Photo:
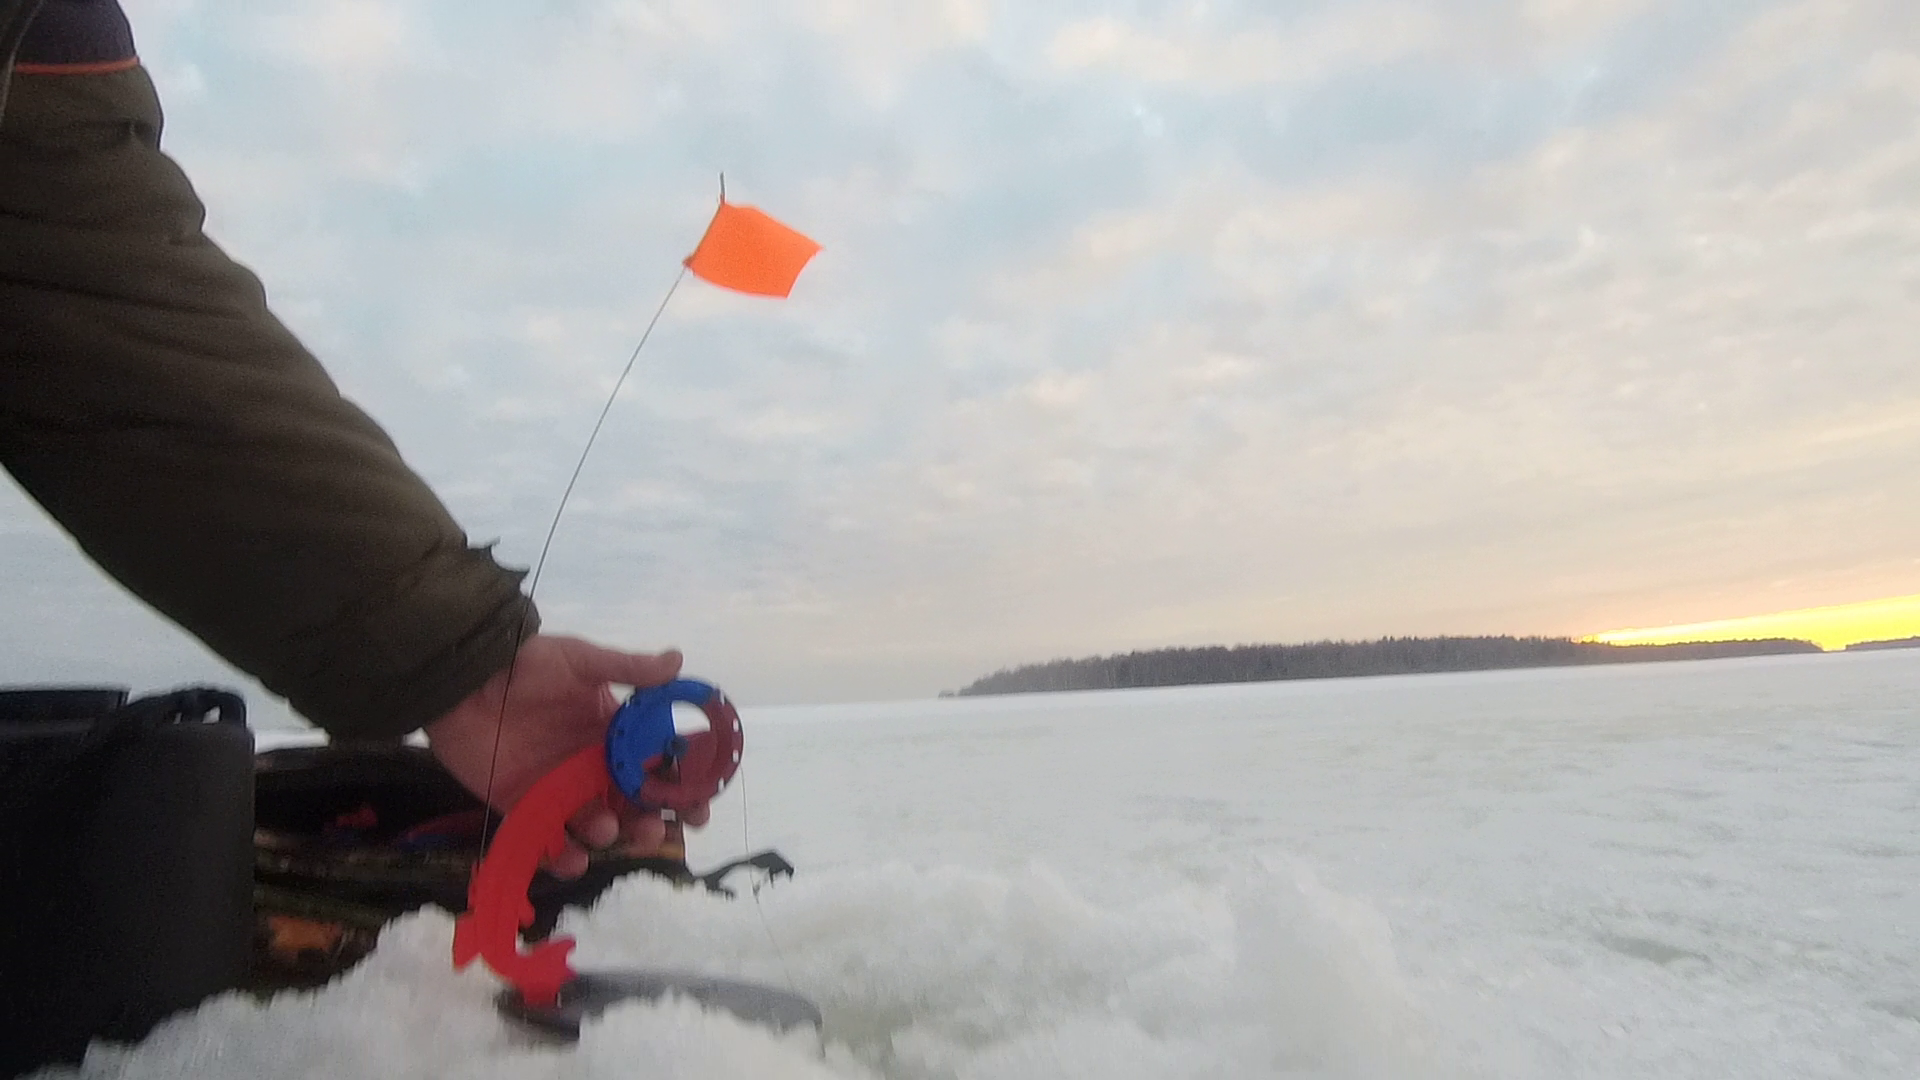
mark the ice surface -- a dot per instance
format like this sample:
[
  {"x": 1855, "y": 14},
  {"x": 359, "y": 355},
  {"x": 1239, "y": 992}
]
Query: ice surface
[{"x": 1671, "y": 870}]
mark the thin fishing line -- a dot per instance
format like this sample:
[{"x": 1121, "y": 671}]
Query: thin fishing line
[
  {"x": 533, "y": 583},
  {"x": 16, "y": 17},
  {"x": 746, "y": 848}
]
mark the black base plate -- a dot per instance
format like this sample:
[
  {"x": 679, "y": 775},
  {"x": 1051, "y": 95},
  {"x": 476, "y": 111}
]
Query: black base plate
[{"x": 592, "y": 993}]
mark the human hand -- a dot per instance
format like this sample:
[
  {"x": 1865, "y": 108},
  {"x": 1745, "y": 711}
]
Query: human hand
[{"x": 561, "y": 700}]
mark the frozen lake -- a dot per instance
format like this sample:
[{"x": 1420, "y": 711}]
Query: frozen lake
[{"x": 1672, "y": 870}]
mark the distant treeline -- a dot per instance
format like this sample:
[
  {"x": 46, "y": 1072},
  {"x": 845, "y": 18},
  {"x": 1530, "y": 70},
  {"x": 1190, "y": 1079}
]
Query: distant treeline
[
  {"x": 1342, "y": 659},
  {"x": 1874, "y": 646}
]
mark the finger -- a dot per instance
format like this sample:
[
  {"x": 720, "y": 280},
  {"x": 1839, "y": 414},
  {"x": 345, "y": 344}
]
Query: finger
[
  {"x": 595, "y": 827},
  {"x": 570, "y": 863},
  {"x": 643, "y": 832},
  {"x": 600, "y": 664},
  {"x": 698, "y": 815}
]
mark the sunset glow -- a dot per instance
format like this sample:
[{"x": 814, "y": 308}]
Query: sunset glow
[{"x": 1828, "y": 627}]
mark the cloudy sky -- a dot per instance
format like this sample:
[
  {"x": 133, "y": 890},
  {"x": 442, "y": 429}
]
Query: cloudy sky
[{"x": 1137, "y": 324}]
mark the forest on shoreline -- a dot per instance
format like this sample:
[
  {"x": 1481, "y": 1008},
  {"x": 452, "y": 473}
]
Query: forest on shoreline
[{"x": 1345, "y": 659}]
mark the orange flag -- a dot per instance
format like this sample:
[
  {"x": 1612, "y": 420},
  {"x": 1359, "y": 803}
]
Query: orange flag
[{"x": 746, "y": 250}]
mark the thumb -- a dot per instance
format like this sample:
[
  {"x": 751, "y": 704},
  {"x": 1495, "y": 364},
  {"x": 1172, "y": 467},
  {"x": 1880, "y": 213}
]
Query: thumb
[{"x": 600, "y": 664}]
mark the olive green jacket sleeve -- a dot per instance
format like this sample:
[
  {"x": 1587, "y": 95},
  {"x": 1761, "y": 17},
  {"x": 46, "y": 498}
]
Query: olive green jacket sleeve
[{"x": 197, "y": 452}]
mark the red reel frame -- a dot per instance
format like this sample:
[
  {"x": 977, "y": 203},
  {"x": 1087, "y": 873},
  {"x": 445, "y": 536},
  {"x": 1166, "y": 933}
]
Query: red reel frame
[{"x": 679, "y": 774}]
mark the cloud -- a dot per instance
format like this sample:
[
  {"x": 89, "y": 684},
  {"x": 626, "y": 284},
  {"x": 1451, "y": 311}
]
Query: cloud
[
  {"x": 352, "y": 40},
  {"x": 1197, "y": 323},
  {"x": 1184, "y": 49}
]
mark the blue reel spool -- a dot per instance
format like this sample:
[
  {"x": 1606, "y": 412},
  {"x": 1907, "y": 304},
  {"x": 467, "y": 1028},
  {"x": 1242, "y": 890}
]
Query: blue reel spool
[{"x": 642, "y": 737}]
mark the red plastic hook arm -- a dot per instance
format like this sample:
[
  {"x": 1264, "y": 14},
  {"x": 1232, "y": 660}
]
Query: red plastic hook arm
[{"x": 497, "y": 904}]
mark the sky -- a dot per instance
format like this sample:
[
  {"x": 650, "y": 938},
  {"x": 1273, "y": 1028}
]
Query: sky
[
  {"x": 1135, "y": 325},
  {"x": 1893, "y": 619}
]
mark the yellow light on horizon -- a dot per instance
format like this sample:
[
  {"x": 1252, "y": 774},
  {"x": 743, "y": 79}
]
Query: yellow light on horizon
[{"x": 1833, "y": 627}]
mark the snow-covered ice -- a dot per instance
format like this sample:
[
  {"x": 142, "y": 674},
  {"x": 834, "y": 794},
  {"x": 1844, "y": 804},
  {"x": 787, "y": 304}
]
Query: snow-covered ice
[{"x": 1671, "y": 870}]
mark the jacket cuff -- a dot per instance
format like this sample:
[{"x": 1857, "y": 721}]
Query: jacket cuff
[{"x": 457, "y": 623}]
